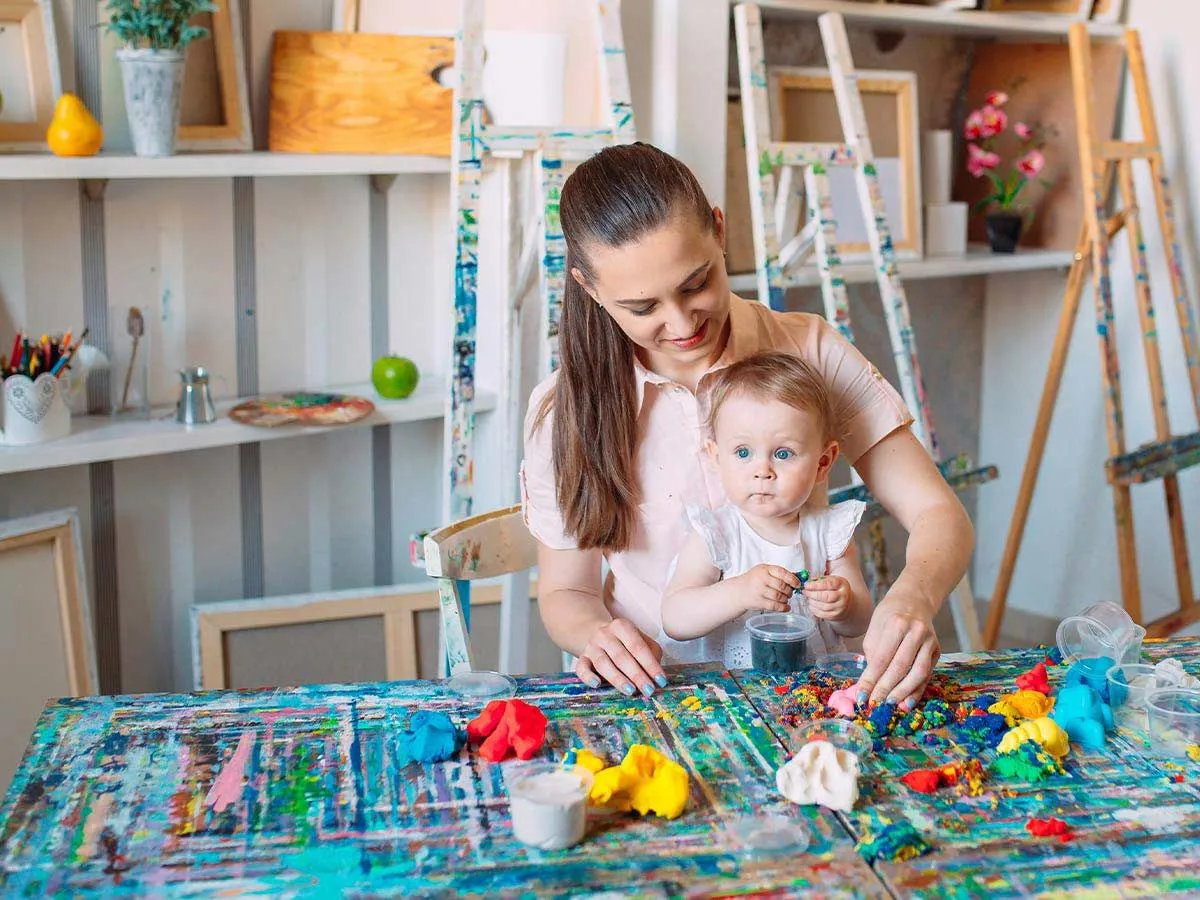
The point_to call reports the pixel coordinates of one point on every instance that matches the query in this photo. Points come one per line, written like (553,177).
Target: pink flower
(1024,132)
(994,121)
(1031,163)
(996,98)
(980,160)
(973,130)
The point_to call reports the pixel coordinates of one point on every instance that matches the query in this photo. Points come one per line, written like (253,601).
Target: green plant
(157,24)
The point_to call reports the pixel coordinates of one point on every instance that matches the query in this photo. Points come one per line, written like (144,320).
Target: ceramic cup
(34,410)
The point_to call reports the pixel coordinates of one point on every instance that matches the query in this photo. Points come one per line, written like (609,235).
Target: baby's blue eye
(784,453)
(742,452)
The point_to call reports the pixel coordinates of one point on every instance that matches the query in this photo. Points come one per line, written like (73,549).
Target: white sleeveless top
(735,548)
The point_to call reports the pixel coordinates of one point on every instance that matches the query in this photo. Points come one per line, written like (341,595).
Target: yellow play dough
(1022,705)
(645,781)
(1044,731)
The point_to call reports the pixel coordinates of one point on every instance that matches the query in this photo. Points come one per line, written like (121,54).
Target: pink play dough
(842,702)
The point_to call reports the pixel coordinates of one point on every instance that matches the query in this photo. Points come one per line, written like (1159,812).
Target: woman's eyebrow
(703,267)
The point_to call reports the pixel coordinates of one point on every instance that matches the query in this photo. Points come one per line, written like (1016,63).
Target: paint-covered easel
(773,167)
(542,255)
(1102,162)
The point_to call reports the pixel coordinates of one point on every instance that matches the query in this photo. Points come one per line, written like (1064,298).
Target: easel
(536,251)
(1102,163)
(779,253)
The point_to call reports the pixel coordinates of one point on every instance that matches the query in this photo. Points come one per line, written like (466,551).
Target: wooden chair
(487,545)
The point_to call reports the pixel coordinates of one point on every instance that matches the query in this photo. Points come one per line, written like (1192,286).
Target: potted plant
(154,34)
(990,142)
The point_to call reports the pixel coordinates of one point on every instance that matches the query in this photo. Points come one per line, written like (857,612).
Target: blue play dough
(1083,715)
(1093,673)
(430,737)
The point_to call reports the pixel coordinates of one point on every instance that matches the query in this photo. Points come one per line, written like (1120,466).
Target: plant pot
(1003,231)
(153,86)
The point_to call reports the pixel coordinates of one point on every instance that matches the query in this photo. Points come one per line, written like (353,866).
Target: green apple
(395,377)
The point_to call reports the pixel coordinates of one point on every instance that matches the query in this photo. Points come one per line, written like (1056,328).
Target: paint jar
(1174,717)
(549,804)
(842,733)
(779,642)
(1129,689)
(1103,629)
(767,835)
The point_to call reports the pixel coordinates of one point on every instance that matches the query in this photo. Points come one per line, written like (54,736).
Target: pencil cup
(34,410)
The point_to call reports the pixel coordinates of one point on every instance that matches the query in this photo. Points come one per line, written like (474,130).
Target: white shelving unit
(102,438)
(908,17)
(978,261)
(47,167)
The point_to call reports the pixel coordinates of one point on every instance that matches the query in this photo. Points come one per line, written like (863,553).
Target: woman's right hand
(767,588)
(624,657)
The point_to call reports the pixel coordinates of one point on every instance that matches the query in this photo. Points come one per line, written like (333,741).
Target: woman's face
(669,292)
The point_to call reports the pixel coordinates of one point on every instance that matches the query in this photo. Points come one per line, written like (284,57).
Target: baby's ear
(710,447)
(828,458)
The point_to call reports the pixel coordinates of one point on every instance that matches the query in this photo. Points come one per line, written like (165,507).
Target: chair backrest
(482,546)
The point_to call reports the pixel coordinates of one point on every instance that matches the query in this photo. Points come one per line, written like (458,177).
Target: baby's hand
(766,587)
(829,597)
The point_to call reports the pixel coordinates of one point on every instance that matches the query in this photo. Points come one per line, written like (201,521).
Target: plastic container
(549,804)
(1103,629)
(842,733)
(1174,717)
(1129,688)
(842,665)
(779,642)
(767,835)
(482,685)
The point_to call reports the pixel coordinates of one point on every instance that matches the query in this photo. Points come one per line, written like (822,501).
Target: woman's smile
(695,340)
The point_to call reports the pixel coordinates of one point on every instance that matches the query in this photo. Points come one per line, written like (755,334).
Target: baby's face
(769,455)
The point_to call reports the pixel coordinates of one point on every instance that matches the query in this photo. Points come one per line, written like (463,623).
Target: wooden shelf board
(102,438)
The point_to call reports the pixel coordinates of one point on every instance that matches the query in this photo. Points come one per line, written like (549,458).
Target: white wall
(1068,558)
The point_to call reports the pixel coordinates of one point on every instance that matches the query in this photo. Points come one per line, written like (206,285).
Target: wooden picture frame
(46,634)
(398,607)
(219,58)
(803,109)
(36,77)
(1071,9)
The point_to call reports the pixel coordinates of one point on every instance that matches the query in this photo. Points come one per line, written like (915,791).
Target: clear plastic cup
(843,734)
(1129,689)
(779,642)
(1174,717)
(548,803)
(1103,629)
(767,835)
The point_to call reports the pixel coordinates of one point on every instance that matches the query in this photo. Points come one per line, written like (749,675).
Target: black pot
(1003,231)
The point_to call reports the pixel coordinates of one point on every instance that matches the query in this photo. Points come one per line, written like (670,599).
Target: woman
(613,440)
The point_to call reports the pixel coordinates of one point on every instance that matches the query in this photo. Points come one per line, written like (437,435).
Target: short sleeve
(838,525)
(539,498)
(704,523)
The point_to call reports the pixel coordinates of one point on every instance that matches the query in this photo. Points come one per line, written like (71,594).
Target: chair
(487,545)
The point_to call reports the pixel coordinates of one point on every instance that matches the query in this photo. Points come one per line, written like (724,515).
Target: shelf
(46,166)
(978,261)
(102,438)
(932,19)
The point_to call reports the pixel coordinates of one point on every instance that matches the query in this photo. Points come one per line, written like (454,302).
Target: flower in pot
(154,34)
(990,141)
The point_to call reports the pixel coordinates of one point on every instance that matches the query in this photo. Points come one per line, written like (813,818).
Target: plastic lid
(781,627)
(842,665)
(482,685)
(763,835)
(1081,637)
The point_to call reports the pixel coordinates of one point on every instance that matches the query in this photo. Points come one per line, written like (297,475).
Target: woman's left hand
(902,648)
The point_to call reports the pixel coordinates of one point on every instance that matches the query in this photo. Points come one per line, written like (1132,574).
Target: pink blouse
(670,461)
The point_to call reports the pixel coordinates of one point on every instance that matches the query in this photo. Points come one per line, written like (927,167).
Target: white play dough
(549,806)
(1173,671)
(820,774)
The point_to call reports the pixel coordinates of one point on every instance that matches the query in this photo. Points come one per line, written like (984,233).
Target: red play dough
(1049,828)
(924,781)
(1035,679)
(506,725)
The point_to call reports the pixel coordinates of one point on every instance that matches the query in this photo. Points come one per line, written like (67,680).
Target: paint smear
(227,788)
(96,819)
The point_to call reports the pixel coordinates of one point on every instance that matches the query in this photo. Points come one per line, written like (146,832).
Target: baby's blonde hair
(773,376)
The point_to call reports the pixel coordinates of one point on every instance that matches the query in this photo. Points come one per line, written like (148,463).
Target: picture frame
(1070,9)
(214,625)
(804,110)
(216,97)
(30,75)
(45,624)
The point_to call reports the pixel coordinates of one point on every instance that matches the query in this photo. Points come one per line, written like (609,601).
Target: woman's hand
(624,657)
(901,649)
(765,587)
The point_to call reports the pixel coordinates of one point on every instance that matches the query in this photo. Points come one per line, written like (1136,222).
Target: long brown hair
(612,199)
(773,375)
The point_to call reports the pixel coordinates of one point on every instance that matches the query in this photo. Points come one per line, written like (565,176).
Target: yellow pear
(73,131)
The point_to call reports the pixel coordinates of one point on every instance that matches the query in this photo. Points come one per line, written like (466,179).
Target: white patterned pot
(153,86)
(33,410)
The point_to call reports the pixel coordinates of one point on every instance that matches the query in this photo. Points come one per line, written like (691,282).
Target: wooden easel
(1103,163)
(779,250)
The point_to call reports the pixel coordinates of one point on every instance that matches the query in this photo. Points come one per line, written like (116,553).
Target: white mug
(33,410)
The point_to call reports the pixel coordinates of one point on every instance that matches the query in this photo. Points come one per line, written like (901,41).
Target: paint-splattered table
(1135,817)
(298,792)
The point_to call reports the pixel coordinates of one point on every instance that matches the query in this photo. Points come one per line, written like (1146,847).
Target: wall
(1068,557)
